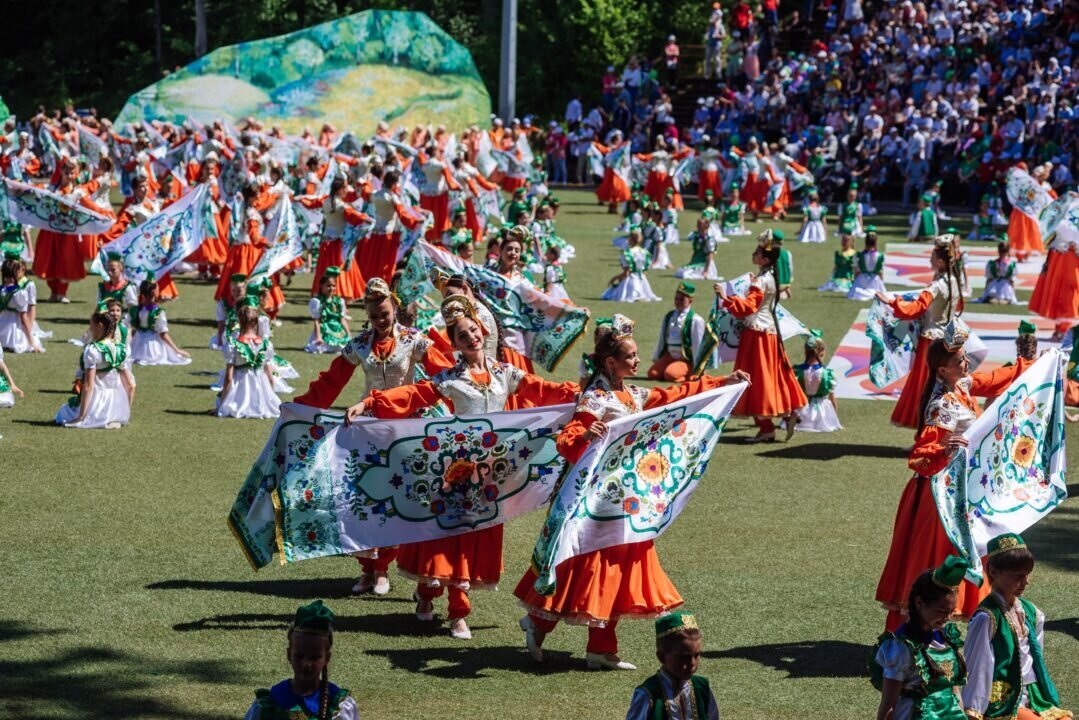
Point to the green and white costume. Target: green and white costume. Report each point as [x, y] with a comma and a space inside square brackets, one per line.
[870, 279]
[634, 287]
[1000, 283]
[7, 398]
[329, 312]
[850, 219]
[148, 323]
[281, 703]
[923, 225]
[702, 266]
[842, 272]
[818, 382]
[251, 394]
[661, 697]
[732, 218]
[109, 406]
[929, 669]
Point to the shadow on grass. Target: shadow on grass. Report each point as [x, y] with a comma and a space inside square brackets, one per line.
[38, 423]
[835, 451]
[469, 663]
[811, 659]
[1069, 626]
[208, 412]
[386, 625]
[95, 683]
[1055, 541]
[293, 589]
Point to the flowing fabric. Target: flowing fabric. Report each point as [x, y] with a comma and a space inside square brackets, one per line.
[320, 488]
[44, 209]
[285, 242]
[1012, 472]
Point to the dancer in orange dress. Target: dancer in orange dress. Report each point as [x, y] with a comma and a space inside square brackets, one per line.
[337, 211]
[1056, 294]
[600, 588]
[438, 180]
[1024, 235]
[137, 210]
[389, 354]
[947, 409]
[245, 245]
[936, 305]
[614, 189]
[776, 391]
[478, 384]
[378, 254]
[210, 255]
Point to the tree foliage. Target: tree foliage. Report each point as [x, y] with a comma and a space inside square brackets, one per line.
[97, 54]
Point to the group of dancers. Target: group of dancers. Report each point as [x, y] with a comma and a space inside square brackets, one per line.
[455, 357]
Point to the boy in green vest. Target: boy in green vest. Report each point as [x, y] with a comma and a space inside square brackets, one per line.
[923, 223]
[1007, 676]
[676, 692]
[784, 266]
[679, 338]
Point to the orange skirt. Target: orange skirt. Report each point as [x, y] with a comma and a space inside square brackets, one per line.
[277, 296]
[1024, 235]
[473, 559]
[510, 184]
[239, 259]
[472, 221]
[613, 188]
[90, 245]
[918, 544]
[775, 390]
[709, 180]
[59, 257]
[350, 283]
[166, 288]
[1057, 293]
[754, 193]
[905, 413]
[624, 581]
[377, 255]
[439, 205]
[212, 251]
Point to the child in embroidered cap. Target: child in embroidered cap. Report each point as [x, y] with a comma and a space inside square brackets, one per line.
[309, 695]
[919, 668]
[1000, 278]
[1005, 654]
[676, 692]
[327, 309]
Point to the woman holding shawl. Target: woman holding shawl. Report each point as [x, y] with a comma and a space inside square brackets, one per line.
[390, 355]
[599, 588]
[476, 385]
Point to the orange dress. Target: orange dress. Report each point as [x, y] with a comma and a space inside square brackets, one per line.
[59, 256]
[775, 390]
[471, 559]
[919, 541]
[623, 581]
[350, 283]
[242, 256]
[1024, 235]
[214, 247]
[1056, 295]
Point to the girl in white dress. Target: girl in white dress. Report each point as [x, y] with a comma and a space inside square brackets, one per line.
[631, 285]
[16, 321]
[1000, 278]
[152, 344]
[327, 309]
[248, 388]
[108, 387]
[702, 266]
[654, 235]
[869, 269]
[818, 382]
[814, 226]
[554, 276]
[8, 388]
[632, 218]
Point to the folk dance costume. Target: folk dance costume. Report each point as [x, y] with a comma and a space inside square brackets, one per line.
[134, 213]
[775, 390]
[842, 272]
[732, 219]
[918, 538]
[554, 277]
[655, 245]
[251, 392]
[472, 559]
[438, 181]
[935, 307]
[813, 224]
[1007, 674]
[679, 341]
[7, 397]
[245, 246]
[329, 313]
[600, 588]
[336, 213]
[870, 278]
[664, 697]
[148, 322]
[702, 266]
[923, 223]
[58, 257]
[850, 219]
[708, 174]
[1056, 294]
[985, 227]
[109, 403]
[17, 329]
[378, 254]
[818, 383]
[634, 287]
[928, 665]
[1000, 281]
[1024, 235]
[124, 291]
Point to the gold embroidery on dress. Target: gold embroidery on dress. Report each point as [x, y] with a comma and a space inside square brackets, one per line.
[999, 691]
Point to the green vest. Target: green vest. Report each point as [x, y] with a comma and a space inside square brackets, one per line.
[876, 269]
[827, 380]
[151, 317]
[700, 695]
[848, 218]
[844, 266]
[687, 334]
[269, 710]
[117, 294]
[940, 670]
[731, 213]
[253, 358]
[1007, 678]
[783, 269]
[927, 223]
[7, 294]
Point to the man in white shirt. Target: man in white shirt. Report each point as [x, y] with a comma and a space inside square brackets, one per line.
[679, 339]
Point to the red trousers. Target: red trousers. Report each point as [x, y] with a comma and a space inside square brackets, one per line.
[382, 563]
[601, 640]
[460, 606]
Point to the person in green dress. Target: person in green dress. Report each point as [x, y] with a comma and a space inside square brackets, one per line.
[919, 669]
[842, 267]
[327, 309]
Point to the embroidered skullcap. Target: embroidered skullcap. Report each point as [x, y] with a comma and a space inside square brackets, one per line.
[951, 572]
[955, 335]
[456, 307]
[622, 326]
[1004, 543]
[313, 618]
[675, 623]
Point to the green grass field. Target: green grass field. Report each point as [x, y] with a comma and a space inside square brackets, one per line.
[126, 596]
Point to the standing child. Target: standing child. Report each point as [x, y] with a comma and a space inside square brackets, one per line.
[152, 344]
[247, 391]
[850, 214]
[676, 692]
[631, 285]
[842, 268]
[8, 388]
[923, 222]
[1000, 278]
[309, 694]
[108, 388]
[984, 222]
[814, 226]
[820, 414]
[870, 278]
[1007, 674]
[327, 309]
[226, 311]
[554, 275]
[919, 669]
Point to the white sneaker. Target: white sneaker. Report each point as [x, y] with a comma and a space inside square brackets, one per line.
[529, 629]
[459, 629]
[364, 584]
[382, 585]
[596, 661]
[64, 300]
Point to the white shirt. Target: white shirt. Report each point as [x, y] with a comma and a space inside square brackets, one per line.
[981, 660]
[680, 706]
[673, 332]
